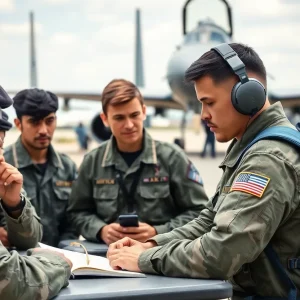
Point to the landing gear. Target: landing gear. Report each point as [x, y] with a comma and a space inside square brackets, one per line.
[66, 106]
[181, 141]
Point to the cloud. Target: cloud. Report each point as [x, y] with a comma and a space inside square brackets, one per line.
[55, 2]
[114, 38]
[102, 18]
[63, 39]
[265, 8]
[10, 29]
[265, 12]
[98, 41]
[7, 5]
[126, 9]
[282, 35]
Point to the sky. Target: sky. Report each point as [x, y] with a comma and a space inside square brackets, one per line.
[82, 45]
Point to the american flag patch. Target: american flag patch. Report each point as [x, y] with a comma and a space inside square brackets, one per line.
[250, 183]
[193, 174]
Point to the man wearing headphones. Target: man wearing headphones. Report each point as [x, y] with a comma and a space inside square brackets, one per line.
[256, 204]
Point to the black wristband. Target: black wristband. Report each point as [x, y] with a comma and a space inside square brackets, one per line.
[19, 206]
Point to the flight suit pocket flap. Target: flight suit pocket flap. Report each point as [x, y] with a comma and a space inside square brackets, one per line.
[155, 190]
[62, 193]
[105, 192]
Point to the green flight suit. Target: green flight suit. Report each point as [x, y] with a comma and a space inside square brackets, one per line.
[169, 191]
[48, 193]
[25, 231]
[40, 276]
[228, 238]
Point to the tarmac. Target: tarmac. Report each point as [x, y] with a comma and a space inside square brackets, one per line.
[65, 141]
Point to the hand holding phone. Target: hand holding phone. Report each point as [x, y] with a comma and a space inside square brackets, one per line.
[129, 220]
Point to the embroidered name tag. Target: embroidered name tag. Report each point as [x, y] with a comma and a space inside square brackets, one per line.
[64, 183]
[156, 179]
[226, 189]
[105, 181]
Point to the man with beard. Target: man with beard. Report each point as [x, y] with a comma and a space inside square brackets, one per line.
[248, 232]
[41, 273]
[48, 175]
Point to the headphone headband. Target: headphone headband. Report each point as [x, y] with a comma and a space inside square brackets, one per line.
[248, 96]
[235, 63]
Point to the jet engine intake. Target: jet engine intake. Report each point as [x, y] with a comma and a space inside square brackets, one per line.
[99, 131]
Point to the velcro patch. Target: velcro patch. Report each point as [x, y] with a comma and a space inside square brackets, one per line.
[226, 189]
[105, 181]
[193, 174]
[156, 179]
[250, 183]
[64, 183]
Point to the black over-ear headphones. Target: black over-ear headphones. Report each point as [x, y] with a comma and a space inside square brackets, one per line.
[248, 96]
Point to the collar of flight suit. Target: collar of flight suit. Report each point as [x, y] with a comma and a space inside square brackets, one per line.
[112, 156]
[22, 158]
[267, 118]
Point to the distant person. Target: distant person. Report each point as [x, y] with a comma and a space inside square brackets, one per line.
[133, 173]
[82, 136]
[248, 233]
[210, 140]
[48, 175]
[42, 273]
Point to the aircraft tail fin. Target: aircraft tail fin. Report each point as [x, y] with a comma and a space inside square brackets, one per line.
[139, 70]
[33, 70]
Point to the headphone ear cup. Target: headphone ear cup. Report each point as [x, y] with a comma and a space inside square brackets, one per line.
[234, 99]
[248, 98]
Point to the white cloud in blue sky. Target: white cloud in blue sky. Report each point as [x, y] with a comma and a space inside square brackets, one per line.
[82, 45]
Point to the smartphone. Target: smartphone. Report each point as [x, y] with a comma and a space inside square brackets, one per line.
[129, 220]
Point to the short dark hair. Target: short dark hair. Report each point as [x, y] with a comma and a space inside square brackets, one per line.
[213, 65]
[119, 91]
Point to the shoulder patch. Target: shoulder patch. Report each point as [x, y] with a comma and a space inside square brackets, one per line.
[251, 183]
[193, 174]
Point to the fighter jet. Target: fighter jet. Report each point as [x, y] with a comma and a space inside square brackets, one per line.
[198, 37]
[205, 24]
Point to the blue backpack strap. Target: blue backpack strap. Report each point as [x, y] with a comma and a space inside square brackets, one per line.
[273, 258]
[291, 136]
[275, 133]
[284, 277]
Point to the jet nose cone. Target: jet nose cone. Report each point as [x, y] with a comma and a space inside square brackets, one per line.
[177, 66]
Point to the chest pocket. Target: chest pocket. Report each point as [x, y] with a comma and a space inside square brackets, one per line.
[158, 191]
[106, 201]
[156, 205]
[62, 193]
[62, 189]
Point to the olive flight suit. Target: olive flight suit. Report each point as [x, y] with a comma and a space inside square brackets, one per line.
[168, 188]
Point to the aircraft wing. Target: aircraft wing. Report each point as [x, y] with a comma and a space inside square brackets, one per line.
[288, 98]
[155, 99]
[162, 101]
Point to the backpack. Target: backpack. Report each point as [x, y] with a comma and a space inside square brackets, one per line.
[291, 136]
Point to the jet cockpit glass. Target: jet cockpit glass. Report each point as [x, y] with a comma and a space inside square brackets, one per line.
[214, 12]
[192, 37]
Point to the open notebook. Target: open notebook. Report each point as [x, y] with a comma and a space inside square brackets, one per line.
[91, 265]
